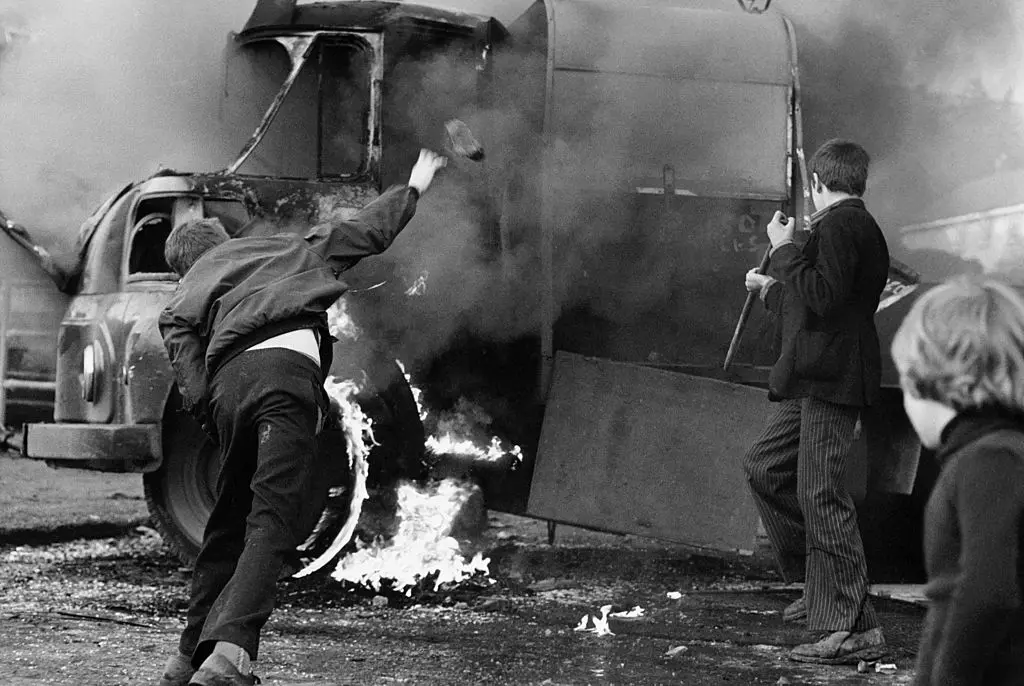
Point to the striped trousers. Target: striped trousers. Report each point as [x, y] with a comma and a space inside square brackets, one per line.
[796, 471]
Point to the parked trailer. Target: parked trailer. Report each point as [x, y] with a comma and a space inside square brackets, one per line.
[634, 155]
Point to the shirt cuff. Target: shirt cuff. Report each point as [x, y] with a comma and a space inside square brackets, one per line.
[788, 241]
[764, 289]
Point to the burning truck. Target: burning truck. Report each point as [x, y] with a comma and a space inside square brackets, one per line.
[570, 359]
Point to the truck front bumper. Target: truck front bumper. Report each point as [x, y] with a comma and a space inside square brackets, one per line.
[104, 447]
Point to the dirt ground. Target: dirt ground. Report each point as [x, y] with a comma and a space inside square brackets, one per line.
[90, 595]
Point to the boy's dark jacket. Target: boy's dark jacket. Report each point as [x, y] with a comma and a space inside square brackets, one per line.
[247, 290]
[974, 555]
[827, 294]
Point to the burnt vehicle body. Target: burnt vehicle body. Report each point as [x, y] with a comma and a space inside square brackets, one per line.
[633, 155]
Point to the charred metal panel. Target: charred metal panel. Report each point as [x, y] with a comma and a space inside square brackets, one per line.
[282, 202]
[147, 376]
[629, 449]
[88, 366]
[276, 16]
[887, 322]
[676, 42]
[30, 311]
[658, 280]
[891, 447]
[101, 266]
[634, 89]
[618, 131]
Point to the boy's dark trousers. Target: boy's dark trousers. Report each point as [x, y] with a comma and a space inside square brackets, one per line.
[268, 407]
[796, 470]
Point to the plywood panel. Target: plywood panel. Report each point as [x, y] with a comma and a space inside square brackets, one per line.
[631, 449]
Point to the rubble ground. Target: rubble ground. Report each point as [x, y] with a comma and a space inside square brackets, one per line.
[106, 608]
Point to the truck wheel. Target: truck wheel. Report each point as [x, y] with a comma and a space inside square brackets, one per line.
[180, 495]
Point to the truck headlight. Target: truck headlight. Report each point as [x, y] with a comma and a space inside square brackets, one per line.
[92, 367]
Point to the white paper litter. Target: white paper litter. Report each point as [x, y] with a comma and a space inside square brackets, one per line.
[600, 627]
[637, 611]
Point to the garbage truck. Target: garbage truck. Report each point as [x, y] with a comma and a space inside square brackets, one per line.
[632, 157]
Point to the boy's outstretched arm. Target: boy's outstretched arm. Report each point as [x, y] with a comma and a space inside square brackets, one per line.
[343, 243]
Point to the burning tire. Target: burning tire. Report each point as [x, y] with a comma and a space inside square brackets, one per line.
[180, 495]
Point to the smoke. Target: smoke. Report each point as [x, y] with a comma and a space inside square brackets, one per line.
[97, 94]
[934, 89]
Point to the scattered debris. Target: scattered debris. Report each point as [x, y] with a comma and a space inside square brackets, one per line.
[600, 627]
[675, 650]
[783, 681]
[495, 605]
[637, 611]
[759, 612]
[674, 595]
[863, 667]
[148, 531]
[552, 585]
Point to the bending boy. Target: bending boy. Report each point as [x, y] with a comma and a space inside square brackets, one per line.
[246, 332]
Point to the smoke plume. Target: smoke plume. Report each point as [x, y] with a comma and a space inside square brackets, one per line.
[97, 94]
[933, 89]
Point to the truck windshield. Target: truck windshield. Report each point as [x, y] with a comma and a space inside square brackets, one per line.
[321, 128]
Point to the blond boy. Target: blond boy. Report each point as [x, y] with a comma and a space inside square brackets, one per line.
[960, 354]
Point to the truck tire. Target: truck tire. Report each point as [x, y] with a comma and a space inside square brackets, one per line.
[181, 493]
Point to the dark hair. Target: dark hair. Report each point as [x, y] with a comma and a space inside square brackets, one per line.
[842, 166]
[190, 240]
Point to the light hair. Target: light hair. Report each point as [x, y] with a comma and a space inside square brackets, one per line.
[962, 345]
[190, 240]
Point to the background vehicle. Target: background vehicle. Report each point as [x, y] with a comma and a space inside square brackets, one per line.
[580, 283]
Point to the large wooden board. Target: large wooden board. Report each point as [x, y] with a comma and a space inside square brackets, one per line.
[631, 449]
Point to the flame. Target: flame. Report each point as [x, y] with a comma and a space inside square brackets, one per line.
[450, 445]
[340, 322]
[358, 431]
[455, 437]
[417, 393]
[422, 546]
[419, 286]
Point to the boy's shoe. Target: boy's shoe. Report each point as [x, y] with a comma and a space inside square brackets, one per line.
[177, 671]
[842, 648]
[795, 611]
[217, 670]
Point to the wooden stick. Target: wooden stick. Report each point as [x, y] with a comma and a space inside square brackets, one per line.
[744, 315]
[102, 618]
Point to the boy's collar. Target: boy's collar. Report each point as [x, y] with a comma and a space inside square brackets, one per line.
[847, 202]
